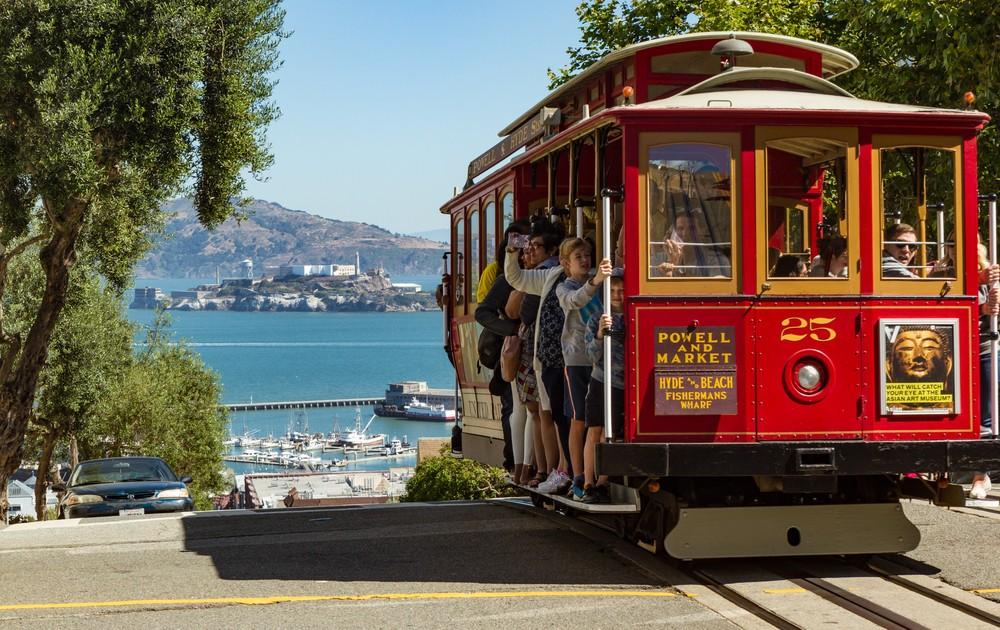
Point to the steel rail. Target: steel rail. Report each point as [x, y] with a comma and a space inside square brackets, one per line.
[920, 589]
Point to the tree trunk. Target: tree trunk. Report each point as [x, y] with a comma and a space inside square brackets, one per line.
[42, 478]
[74, 453]
[20, 373]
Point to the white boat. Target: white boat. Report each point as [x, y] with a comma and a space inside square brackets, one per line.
[247, 440]
[311, 444]
[419, 410]
[358, 438]
[269, 442]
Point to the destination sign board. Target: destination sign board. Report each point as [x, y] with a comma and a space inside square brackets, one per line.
[531, 129]
[695, 371]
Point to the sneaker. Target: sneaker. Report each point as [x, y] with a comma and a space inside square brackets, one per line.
[564, 486]
[550, 485]
[578, 493]
[981, 488]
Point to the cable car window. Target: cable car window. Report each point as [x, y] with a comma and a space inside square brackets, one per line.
[918, 213]
[474, 251]
[690, 211]
[490, 228]
[507, 208]
[806, 185]
[458, 262]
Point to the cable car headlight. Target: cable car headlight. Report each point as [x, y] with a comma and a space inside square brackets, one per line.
[808, 376]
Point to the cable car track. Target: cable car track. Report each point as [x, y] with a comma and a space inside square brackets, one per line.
[815, 576]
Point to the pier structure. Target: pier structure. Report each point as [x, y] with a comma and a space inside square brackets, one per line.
[304, 404]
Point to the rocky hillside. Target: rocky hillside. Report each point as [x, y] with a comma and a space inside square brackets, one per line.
[274, 235]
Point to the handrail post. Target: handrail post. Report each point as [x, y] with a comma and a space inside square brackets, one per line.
[609, 195]
[994, 342]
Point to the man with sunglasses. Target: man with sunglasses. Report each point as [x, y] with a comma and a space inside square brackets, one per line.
[900, 244]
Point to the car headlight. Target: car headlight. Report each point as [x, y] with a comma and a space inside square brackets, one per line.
[77, 499]
[173, 493]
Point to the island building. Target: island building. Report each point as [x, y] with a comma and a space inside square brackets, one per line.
[342, 271]
[148, 298]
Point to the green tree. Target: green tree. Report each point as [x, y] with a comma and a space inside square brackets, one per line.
[165, 405]
[107, 109]
[445, 478]
[926, 52]
[90, 352]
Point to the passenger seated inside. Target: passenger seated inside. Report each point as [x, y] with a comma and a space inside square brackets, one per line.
[898, 248]
[788, 266]
[832, 260]
[688, 254]
[945, 267]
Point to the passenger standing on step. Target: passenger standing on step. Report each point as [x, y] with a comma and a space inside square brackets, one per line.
[490, 314]
[596, 489]
[574, 294]
[534, 283]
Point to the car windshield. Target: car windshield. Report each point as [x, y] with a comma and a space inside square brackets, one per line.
[114, 471]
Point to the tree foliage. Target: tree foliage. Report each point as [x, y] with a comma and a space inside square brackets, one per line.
[107, 109]
[445, 478]
[165, 405]
[925, 52]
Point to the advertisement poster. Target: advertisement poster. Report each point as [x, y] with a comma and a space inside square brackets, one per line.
[918, 366]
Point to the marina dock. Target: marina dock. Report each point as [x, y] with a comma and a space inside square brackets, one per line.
[304, 404]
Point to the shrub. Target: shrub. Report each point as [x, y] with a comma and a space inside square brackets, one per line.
[445, 478]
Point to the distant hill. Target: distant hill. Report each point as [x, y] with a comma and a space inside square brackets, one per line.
[274, 235]
[441, 236]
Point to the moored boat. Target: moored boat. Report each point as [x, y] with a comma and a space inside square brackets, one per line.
[418, 410]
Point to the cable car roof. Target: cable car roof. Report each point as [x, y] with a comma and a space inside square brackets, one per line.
[834, 61]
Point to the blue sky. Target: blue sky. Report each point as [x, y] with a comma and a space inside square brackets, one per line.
[385, 102]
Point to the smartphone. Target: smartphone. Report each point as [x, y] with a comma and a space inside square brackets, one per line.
[519, 241]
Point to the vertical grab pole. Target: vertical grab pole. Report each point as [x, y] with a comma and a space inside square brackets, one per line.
[994, 343]
[608, 194]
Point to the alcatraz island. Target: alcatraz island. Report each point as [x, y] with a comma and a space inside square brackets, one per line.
[301, 288]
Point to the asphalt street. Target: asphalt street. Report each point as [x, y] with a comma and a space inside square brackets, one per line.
[437, 566]
[469, 565]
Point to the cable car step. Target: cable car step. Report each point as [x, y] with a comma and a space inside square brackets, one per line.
[624, 500]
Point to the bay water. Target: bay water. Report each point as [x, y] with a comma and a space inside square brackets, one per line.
[269, 356]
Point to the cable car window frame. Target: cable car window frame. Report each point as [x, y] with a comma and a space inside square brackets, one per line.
[489, 220]
[847, 136]
[652, 285]
[475, 247]
[458, 266]
[916, 286]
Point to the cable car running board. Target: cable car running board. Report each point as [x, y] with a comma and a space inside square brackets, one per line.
[800, 530]
[627, 503]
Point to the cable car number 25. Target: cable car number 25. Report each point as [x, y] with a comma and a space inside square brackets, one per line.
[798, 328]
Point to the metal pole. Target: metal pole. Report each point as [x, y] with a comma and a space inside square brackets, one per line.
[579, 221]
[606, 294]
[940, 235]
[994, 343]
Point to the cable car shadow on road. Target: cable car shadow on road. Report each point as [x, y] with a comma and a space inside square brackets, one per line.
[439, 542]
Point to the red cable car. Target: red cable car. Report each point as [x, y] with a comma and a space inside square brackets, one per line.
[802, 290]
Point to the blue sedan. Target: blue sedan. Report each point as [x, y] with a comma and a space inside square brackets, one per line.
[123, 486]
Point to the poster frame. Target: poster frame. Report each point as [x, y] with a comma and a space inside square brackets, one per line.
[956, 354]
